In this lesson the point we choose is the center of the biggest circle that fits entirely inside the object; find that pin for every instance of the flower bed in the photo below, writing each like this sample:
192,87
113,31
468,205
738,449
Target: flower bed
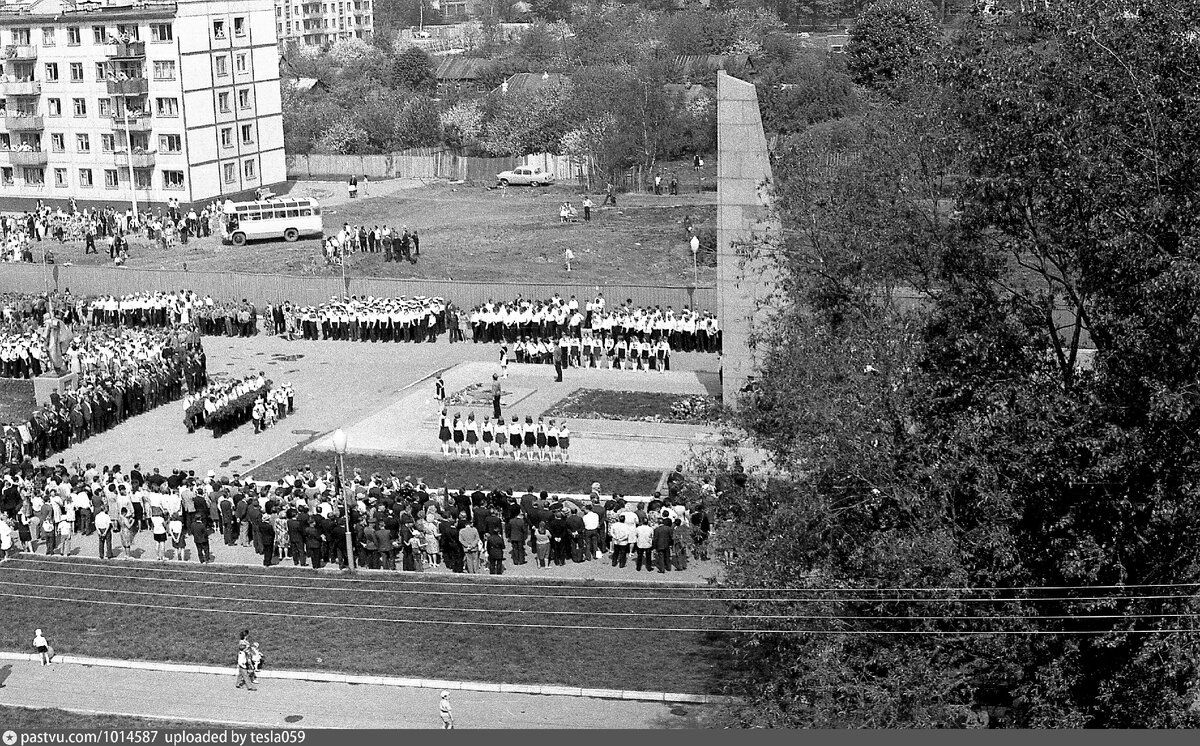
638,406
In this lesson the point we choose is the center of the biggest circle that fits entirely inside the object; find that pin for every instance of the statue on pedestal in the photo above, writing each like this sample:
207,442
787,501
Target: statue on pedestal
57,335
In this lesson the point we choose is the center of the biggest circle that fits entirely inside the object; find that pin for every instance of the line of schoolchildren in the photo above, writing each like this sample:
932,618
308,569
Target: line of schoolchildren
591,351
540,441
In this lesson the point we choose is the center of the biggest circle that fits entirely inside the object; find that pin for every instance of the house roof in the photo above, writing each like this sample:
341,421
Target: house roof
461,68
521,84
309,84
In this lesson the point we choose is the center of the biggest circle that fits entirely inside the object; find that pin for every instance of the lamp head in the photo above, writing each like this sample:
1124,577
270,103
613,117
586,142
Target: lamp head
339,441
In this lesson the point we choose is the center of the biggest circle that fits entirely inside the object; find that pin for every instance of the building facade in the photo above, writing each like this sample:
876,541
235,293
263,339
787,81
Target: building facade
322,24
140,102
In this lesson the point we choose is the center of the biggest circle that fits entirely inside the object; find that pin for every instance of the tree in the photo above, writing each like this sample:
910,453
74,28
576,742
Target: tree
528,124
419,124
413,69
889,40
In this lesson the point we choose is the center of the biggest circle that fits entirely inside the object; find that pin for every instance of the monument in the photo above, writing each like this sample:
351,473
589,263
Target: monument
747,231
57,335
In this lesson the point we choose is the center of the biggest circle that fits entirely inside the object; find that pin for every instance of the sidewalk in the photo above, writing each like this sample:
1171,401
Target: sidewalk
286,703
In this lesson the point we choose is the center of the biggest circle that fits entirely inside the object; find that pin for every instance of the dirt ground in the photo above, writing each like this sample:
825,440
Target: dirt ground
473,233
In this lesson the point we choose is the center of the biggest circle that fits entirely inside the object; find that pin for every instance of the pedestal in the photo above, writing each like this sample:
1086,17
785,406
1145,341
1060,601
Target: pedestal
49,383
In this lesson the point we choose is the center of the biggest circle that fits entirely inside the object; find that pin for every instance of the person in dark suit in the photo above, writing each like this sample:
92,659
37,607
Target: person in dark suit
266,534
664,536
200,538
295,527
518,534
312,543
495,553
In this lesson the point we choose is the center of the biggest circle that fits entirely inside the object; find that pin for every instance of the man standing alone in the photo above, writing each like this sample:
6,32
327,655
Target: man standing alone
558,363
496,396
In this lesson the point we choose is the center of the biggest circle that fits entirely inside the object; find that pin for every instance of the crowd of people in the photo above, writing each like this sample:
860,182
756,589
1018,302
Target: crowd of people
369,319
223,406
396,245
540,441
590,351
687,330
394,523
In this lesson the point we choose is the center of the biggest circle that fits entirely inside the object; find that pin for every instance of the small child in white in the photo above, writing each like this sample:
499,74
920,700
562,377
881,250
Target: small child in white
447,716
43,647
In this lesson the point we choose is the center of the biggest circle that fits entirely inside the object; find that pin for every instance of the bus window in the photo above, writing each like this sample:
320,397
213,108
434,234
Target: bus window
316,211
306,212
293,213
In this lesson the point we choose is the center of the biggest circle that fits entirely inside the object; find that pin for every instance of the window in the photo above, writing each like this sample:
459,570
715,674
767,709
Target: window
223,101
172,179
110,178
79,106
58,143
47,36
230,173
105,108
85,178
76,72
21,37
164,69
218,29
240,62
60,177
82,143
142,178
170,144
222,63
101,71
244,98
35,176
73,36
248,169
227,137
54,107
166,107
130,30
6,176
99,34
161,32
239,26
51,72
107,142
247,134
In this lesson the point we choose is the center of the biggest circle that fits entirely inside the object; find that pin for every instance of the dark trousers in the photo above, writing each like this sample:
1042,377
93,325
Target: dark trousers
558,371
496,407
231,532
663,558
518,552
106,551
202,553
314,554
620,555
496,566
643,556
298,556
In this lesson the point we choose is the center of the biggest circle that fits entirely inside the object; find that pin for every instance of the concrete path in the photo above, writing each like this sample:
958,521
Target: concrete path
279,703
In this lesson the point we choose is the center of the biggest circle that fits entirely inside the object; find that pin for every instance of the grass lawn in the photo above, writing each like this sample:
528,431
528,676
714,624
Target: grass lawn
647,406
394,626
16,400
473,233
49,718
466,473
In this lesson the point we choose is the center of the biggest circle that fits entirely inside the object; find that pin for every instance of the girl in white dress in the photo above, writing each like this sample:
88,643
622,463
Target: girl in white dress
503,361
564,442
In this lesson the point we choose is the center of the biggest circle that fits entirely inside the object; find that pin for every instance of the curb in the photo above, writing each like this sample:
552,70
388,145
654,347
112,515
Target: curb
339,678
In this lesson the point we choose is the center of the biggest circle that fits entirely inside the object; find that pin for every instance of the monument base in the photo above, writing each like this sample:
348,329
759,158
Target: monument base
50,383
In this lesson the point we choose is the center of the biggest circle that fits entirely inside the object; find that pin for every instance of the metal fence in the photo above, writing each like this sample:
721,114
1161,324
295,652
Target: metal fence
271,288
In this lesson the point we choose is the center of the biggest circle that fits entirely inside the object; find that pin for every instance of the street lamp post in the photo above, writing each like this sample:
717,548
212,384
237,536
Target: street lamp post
695,246
339,446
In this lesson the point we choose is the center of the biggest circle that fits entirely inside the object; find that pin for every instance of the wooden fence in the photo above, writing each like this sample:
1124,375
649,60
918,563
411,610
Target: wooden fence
271,288
426,163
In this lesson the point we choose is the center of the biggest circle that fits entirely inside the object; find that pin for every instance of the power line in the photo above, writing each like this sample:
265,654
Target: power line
608,598
1120,597
581,627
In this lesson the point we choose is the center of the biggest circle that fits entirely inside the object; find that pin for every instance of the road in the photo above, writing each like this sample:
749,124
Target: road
210,698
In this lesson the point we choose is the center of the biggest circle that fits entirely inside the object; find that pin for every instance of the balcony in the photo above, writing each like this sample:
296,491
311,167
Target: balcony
24,123
20,52
21,88
128,87
137,160
125,50
25,157
132,122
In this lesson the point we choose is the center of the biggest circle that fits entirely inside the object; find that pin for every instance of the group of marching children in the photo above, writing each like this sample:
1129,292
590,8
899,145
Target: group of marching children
540,441
591,351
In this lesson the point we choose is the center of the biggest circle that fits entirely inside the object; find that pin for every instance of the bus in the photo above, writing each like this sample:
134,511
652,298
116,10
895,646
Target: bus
279,217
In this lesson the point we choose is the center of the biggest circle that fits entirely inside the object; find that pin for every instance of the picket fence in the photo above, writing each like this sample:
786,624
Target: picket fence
426,163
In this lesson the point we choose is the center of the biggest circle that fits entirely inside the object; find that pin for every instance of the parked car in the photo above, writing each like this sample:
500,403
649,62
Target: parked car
531,175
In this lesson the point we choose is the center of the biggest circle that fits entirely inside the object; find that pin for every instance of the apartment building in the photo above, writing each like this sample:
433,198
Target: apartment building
322,24
145,101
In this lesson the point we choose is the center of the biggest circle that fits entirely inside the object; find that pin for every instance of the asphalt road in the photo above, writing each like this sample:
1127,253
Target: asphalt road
210,698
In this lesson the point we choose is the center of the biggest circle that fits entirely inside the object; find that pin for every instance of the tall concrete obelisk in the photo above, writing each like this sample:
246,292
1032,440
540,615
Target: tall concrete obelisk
746,229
